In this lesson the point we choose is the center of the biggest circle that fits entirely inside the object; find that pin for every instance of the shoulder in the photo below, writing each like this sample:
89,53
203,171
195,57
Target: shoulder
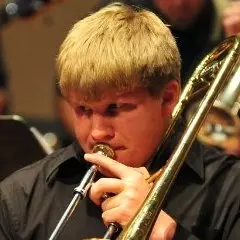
22,193
221,166
26,178
214,155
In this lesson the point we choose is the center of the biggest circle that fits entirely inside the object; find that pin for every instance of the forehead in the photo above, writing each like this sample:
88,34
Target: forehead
108,96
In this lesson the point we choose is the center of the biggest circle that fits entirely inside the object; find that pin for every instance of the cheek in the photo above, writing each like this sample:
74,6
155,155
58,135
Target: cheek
153,131
143,138
146,130
81,132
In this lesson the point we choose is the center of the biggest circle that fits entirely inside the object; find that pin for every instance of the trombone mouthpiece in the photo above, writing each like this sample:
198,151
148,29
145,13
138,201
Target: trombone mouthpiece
104,149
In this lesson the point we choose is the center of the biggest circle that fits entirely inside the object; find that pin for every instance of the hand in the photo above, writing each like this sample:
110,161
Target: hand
231,19
130,188
164,228
128,185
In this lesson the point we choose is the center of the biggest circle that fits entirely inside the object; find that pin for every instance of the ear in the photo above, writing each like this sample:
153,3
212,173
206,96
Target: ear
170,96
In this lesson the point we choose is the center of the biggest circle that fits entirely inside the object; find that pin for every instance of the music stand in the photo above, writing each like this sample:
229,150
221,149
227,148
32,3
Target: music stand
20,145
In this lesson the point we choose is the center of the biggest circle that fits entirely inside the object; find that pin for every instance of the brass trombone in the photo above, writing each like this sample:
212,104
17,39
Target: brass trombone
212,74
221,127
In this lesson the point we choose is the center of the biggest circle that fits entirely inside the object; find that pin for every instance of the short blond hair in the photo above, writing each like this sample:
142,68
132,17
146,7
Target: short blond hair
119,47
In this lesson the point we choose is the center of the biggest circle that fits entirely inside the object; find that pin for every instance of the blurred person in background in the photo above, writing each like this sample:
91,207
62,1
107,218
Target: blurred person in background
198,25
9,11
26,11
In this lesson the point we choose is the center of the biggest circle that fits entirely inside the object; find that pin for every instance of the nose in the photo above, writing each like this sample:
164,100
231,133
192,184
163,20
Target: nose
101,128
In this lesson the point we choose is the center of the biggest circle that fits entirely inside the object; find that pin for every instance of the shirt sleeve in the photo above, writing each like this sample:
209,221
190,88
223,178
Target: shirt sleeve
183,233
231,231
234,232
6,230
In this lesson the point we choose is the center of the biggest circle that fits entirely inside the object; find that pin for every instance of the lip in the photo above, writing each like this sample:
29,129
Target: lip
120,148
114,147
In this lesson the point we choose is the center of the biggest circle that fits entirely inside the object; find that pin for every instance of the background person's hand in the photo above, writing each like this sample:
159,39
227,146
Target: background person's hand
231,19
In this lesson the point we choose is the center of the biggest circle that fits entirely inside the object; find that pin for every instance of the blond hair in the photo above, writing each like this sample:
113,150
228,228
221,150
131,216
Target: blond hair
119,47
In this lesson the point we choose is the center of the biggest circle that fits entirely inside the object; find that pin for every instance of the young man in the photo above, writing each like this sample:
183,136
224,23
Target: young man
119,69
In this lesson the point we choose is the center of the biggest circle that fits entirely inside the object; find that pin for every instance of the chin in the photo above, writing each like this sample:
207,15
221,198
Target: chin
129,161
124,158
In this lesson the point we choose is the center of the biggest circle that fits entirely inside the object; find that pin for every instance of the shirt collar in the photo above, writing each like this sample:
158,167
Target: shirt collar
56,159
194,159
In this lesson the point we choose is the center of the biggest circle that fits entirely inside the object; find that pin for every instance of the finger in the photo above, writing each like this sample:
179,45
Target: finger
111,202
105,185
143,171
117,215
115,168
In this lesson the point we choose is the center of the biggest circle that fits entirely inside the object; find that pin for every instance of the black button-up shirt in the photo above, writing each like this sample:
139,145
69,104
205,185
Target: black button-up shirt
204,201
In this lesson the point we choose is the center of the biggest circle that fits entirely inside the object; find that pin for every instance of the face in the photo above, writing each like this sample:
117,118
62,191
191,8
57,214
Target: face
180,13
133,124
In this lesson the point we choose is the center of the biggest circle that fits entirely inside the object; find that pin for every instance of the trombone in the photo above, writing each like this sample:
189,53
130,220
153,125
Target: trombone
211,75
221,127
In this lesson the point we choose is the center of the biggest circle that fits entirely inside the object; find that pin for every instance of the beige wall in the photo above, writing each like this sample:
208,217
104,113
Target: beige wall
30,49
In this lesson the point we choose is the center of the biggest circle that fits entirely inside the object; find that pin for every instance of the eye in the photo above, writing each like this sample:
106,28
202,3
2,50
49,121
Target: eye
83,110
114,108
117,108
